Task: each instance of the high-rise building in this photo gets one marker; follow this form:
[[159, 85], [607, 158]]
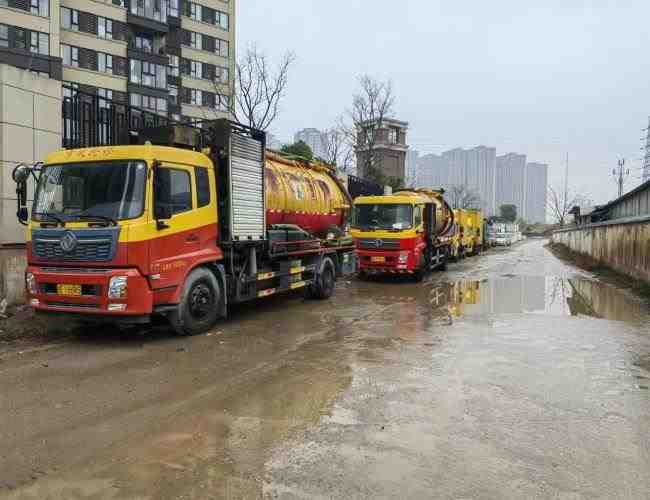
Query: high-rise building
[[473, 169], [479, 176], [511, 182], [272, 142], [170, 57], [389, 150], [536, 192], [315, 139], [432, 172]]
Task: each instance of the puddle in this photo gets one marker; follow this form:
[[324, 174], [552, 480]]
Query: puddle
[[511, 294]]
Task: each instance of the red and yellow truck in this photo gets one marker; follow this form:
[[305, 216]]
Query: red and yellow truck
[[407, 232], [181, 225]]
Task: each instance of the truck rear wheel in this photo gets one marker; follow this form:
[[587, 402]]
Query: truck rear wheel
[[324, 282], [199, 307]]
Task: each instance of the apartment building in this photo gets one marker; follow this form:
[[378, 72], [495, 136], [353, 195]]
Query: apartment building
[[511, 182], [315, 139], [171, 57], [174, 58], [536, 192]]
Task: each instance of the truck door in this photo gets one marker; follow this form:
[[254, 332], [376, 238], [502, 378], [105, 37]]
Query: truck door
[[178, 239]]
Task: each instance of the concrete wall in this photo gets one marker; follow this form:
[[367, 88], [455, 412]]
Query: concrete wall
[[12, 275], [30, 128], [622, 245]]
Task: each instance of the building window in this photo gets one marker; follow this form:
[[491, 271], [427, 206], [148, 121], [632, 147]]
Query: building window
[[144, 42], [149, 74], [196, 40], [104, 63], [70, 55], [173, 94], [221, 19], [39, 43], [222, 102], [156, 104], [69, 19], [222, 75], [222, 47], [195, 12], [173, 8], [151, 9], [392, 135], [196, 97], [4, 35], [104, 28], [173, 69], [40, 8], [196, 69], [20, 39]]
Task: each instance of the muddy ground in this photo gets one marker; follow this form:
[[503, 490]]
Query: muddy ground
[[512, 375]]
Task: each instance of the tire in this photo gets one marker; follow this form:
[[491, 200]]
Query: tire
[[199, 307], [323, 286], [362, 275]]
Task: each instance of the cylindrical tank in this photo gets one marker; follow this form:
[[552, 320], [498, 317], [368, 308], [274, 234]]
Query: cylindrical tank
[[444, 214], [305, 194]]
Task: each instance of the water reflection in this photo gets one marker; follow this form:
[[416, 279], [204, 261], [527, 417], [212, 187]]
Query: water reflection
[[533, 294]]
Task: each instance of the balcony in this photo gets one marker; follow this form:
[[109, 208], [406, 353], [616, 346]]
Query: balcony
[[149, 14]]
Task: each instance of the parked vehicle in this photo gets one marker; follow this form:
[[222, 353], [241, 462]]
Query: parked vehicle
[[467, 233], [182, 225], [408, 232], [503, 233]]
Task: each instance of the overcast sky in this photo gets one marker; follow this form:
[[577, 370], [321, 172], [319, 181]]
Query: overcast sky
[[562, 76]]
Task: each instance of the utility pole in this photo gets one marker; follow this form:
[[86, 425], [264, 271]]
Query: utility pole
[[620, 174]]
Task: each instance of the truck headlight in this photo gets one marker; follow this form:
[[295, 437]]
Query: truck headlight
[[30, 283], [117, 287], [403, 257]]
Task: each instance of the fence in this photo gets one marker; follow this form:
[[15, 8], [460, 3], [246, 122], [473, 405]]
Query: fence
[[91, 120]]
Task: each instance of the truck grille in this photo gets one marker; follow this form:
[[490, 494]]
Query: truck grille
[[93, 245], [379, 244]]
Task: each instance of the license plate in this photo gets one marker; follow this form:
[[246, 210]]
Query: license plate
[[377, 259], [69, 290]]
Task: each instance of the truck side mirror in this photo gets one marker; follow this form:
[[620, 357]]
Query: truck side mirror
[[23, 215]]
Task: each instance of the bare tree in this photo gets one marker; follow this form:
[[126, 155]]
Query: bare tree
[[370, 107], [460, 196], [339, 150], [560, 203], [259, 88]]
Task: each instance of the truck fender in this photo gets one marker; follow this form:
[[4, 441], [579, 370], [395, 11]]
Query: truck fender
[[220, 273]]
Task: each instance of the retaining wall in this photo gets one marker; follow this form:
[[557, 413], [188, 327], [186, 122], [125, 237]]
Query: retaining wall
[[12, 275], [621, 244]]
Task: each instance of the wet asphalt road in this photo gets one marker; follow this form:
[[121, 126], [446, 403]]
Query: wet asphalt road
[[513, 375]]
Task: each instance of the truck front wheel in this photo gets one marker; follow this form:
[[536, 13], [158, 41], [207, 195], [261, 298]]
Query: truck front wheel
[[199, 307], [324, 282]]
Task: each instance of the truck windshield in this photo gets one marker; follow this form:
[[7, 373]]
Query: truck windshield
[[383, 216], [104, 190]]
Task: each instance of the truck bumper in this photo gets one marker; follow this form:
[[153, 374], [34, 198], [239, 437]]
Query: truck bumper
[[386, 262], [88, 294]]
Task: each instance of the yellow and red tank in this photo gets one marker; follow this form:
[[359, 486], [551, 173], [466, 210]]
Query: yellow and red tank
[[305, 194]]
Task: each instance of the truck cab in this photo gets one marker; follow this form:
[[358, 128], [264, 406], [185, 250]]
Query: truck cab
[[402, 233], [116, 229]]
